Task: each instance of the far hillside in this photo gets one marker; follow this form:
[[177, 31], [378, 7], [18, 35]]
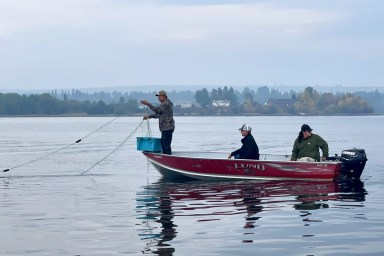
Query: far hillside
[[217, 101], [260, 95]]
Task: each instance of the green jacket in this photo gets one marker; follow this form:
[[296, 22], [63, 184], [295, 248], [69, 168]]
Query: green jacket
[[309, 147]]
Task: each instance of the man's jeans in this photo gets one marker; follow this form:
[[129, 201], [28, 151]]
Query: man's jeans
[[166, 140]]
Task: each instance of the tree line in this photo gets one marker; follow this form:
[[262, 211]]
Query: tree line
[[266, 101], [46, 104], [263, 100]]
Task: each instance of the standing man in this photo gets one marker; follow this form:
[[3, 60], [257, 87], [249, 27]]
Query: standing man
[[166, 123], [307, 145], [249, 150]]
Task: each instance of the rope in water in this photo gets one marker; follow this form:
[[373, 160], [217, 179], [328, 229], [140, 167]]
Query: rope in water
[[54, 152], [113, 151]]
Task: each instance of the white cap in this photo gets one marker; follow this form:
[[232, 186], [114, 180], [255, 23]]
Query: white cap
[[245, 127]]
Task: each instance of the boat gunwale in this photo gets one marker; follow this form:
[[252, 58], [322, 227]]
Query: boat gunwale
[[226, 159]]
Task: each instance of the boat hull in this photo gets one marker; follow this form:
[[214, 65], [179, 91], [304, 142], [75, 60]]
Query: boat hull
[[182, 166]]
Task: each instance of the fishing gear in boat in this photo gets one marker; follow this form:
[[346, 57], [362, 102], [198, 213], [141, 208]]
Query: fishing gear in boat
[[113, 151], [58, 150]]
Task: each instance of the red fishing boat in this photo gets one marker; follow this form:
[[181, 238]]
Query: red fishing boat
[[215, 166]]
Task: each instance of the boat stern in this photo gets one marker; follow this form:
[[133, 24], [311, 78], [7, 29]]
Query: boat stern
[[353, 162]]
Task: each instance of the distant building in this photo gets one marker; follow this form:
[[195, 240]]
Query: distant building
[[281, 102], [142, 106], [221, 103], [183, 104]]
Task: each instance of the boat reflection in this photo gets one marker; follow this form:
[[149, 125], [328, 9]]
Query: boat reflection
[[161, 202]]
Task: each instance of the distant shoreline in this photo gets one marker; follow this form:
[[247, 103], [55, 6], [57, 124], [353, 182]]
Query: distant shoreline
[[183, 115]]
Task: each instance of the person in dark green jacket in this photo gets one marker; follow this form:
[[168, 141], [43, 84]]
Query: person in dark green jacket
[[307, 145]]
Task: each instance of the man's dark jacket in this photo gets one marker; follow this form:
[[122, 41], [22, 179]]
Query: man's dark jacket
[[249, 150]]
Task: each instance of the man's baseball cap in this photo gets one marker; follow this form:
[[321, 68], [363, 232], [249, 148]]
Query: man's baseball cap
[[162, 93], [305, 127], [245, 127]]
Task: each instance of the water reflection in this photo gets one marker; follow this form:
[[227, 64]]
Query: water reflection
[[352, 190], [161, 202], [154, 206]]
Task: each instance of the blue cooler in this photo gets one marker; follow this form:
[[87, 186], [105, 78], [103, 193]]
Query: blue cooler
[[149, 144]]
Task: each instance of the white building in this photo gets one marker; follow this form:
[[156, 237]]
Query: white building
[[183, 104], [221, 103]]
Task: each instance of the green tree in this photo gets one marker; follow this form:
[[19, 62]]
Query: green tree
[[306, 101], [202, 97], [327, 103], [248, 102], [120, 108], [350, 104], [231, 96], [262, 95], [132, 106]]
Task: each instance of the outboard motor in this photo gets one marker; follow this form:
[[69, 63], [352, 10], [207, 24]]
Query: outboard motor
[[353, 162]]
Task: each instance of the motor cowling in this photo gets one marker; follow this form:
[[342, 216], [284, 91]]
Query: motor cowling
[[353, 162]]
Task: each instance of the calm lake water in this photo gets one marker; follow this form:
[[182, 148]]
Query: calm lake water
[[121, 206]]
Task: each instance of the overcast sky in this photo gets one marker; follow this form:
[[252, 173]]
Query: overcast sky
[[47, 44]]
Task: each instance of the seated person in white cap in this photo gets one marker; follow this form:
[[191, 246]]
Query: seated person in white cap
[[249, 150]]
